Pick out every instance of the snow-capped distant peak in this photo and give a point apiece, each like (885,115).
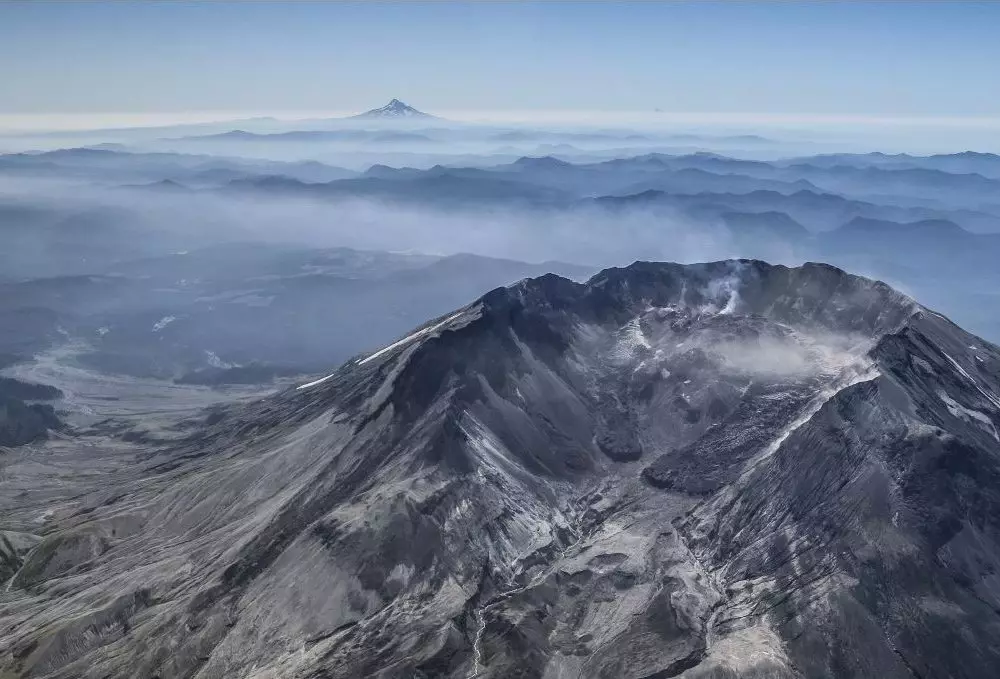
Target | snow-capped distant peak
(394,109)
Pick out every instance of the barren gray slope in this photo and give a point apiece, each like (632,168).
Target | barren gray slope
(720,470)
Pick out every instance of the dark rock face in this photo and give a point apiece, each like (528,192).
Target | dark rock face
(27,391)
(718,470)
(22,423)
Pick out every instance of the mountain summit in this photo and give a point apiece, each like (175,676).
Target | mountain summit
(707,471)
(393,110)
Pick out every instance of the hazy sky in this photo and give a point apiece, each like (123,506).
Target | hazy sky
(889,59)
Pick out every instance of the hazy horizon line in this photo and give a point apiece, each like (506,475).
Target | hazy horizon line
(97,120)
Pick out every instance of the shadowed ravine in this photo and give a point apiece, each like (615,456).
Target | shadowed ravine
(499,599)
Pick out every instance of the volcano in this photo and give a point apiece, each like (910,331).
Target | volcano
(394,110)
(716,470)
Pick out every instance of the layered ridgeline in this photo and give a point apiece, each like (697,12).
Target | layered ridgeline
(718,470)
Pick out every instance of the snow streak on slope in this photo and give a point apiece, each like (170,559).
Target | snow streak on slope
(385,350)
(409,338)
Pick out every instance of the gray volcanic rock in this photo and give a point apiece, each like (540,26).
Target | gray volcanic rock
(717,470)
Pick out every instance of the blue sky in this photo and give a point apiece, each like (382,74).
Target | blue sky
(882,59)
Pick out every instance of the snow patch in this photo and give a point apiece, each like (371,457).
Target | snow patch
(967,414)
(409,338)
(959,368)
(990,396)
(380,352)
(315,382)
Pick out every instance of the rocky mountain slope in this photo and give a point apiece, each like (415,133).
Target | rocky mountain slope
(720,470)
